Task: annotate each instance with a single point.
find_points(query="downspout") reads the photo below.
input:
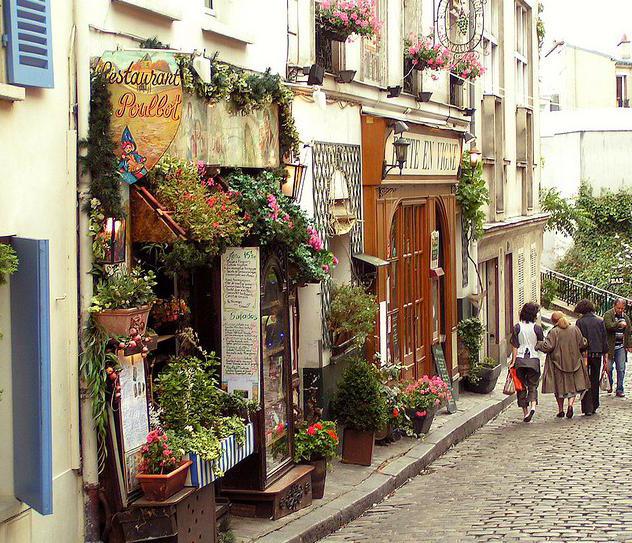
(89, 469)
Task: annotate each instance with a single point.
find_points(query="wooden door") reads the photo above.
(491, 277)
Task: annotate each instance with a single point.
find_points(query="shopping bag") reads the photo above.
(604, 380)
(517, 382)
(509, 387)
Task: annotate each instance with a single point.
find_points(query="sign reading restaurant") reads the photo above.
(428, 154)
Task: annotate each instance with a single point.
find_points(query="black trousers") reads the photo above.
(590, 401)
(530, 378)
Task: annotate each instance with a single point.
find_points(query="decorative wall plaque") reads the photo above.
(460, 24)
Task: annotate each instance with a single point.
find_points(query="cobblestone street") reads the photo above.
(552, 480)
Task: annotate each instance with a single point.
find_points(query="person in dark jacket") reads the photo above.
(593, 329)
(619, 328)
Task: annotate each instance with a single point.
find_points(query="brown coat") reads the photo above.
(564, 369)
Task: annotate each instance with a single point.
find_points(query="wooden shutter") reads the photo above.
(374, 49)
(29, 43)
(521, 287)
(30, 359)
(534, 274)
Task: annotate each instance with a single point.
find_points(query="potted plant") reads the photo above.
(483, 376)
(470, 337)
(361, 408)
(162, 472)
(390, 375)
(166, 314)
(467, 67)
(123, 300)
(423, 53)
(339, 19)
(422, 398)
(315, 445)
(351, 316)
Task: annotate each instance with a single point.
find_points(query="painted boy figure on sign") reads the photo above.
(132, 164)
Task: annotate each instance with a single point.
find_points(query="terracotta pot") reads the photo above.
(318, 477)
(334, 34)
(117, 322)
(357, 447)
(383, 433)
(487, 381)
(421, 425)
(160, 487)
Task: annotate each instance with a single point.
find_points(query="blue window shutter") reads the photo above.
(31, 366)
(30, 47)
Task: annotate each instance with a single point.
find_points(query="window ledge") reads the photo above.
(12, 93)
(10, 507)
(169, 9)
(212, 25)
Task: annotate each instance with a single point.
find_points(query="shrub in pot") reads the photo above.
(315, 445)
(470, 335)
(352, 316)
(422, 398)
(483, 376)
(162, 472)
(123, 300)
(360, 407)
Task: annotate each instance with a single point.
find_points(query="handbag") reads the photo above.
(518, 384)
(510, 386)
(604, 380)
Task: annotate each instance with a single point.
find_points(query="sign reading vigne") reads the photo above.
(146, 99)
(428, 155)
(241, 320)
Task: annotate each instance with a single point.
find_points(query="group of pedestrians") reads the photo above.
(574, 356)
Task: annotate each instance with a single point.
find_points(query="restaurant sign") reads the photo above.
(427, 154)
(146, 99)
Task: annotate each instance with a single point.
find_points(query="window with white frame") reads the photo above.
(373, 68)
(209, 5)
(491, 49)
(521, 52)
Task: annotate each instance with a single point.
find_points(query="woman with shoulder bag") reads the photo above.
(525, 360)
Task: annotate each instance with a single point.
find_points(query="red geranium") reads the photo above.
(316, 441)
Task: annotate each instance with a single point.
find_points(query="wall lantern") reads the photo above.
(401, 156)
(293, 185)
(113, 233)
(475, 155)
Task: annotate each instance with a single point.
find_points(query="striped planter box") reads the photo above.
(201, 472)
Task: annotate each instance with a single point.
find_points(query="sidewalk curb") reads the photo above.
(335, 514)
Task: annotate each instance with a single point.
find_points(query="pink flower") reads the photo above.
(325, 4)
(325, 268)
(311, 430)
(420, 414)
(336, 261)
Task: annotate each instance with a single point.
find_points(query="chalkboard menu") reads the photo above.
(442, 370)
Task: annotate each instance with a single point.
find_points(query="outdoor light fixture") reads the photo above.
(345, 76)
(393, 92)
(475, 155)
(315, 75)
(293, 185)
(467, 137)
(401, 156)
(469, 111)
(113, 234)
(423, 96)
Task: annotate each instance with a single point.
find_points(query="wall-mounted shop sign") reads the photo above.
(146, 99)
(428, 155)
(434, 249)
(241, 320)
(214, 134)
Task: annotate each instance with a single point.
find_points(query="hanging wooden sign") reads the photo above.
(146, 100)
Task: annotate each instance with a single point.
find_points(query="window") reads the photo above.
(209, 5)
(29, 49)
(411, 25)
(491, 50)
(374, 51)
(522, 54)
(622, 91)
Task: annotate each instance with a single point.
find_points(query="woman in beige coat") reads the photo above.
(565, 372)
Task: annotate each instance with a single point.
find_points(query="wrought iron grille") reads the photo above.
(327, 158)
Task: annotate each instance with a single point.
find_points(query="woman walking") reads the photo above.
(565, 372)
(525, 335)
(593, 329)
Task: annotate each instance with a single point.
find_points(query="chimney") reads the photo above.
(623, 48)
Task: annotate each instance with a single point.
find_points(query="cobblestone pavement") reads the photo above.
(551, 480)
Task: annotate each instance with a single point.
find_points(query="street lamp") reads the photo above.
(292, 187)
(475, 155)
(401, 156)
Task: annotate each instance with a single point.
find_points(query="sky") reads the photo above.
(595, 24)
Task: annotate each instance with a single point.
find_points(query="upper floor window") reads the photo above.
(209, 4)
(491, 49)
(411, 27)
(374, 49)
(622, 91)
(522, 54)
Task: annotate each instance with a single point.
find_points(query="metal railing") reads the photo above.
(571, 291)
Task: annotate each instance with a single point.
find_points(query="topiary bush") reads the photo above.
(352, 314)
(360, 403)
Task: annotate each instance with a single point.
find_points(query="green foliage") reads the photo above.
(360, 403)
(124, 289)
(540, 30)
(472, 195)
(226, 537)
(153, 43)
(565, 217)
(246, 92)
(476, 370)
(100, 161)
(8, 262)
(95, 358)
(352, 312)
(316, 441)
(549, 290)
(470, 332)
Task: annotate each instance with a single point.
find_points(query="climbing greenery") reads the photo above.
(601, 254)
(100, 160)
(565, 217)
(8, 262)
(470, 333)
(472, 195)
(245, 92)
(539, 26)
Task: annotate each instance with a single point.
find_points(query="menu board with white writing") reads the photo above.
(241, 321)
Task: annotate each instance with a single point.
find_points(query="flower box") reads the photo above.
(119, 322)
(159, 487)
(201, 472)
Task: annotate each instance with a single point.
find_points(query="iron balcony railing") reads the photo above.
(571, 291)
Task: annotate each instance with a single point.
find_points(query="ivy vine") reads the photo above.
(8, 262)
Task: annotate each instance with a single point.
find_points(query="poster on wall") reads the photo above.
(146, 99)
(434, 249)
(241, 320)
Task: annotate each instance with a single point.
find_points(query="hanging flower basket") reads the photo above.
(334, 34)
(467, 67)
(424, 54)
(339, 19)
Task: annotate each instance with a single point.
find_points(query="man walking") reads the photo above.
(594, 331)
(619, 328)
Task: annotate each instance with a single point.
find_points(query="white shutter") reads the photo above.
(534, 274)
(521, 286)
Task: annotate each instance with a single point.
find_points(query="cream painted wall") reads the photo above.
(37, 150)
(594, 82)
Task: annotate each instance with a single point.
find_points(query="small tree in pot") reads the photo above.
(470, 334)
(316, 444)
(360, 406)
(351, 316)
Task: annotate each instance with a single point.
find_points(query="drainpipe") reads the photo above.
(89, 469)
